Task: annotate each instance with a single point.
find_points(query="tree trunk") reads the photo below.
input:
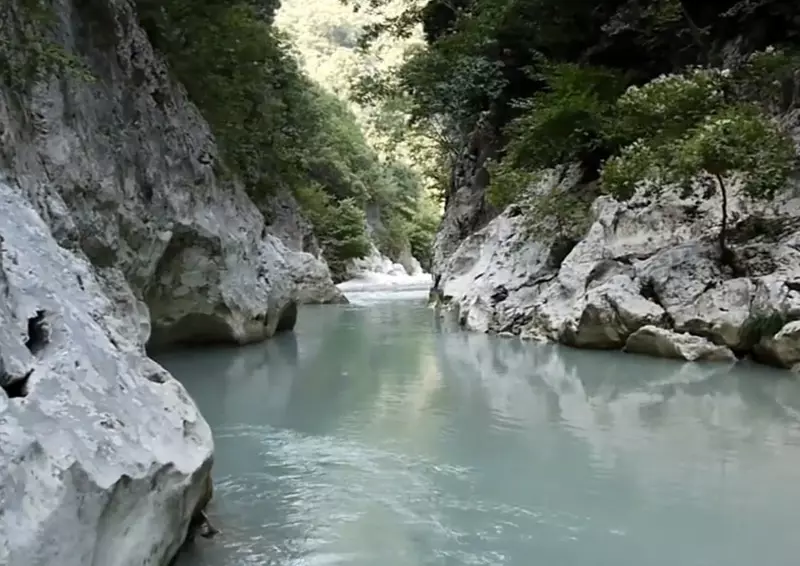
(724, 252)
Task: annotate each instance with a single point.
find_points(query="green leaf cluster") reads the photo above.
(566, 121)
(687, 128)
(689, 131)
(277, 129)
(28, 52)
(340, 227)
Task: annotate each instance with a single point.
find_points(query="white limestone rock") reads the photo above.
(643, 263)
(663, 343)
(782, 349)
(104, 458)
(312, 280)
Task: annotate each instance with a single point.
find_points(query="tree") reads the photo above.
(690, 131)
(565, 122)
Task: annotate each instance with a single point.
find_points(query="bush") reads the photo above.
(569, 120)
(339, 226)
(689, 132)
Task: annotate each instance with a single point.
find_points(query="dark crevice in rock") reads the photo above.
(157, 377)
(500, 294)
(38, 333)
(648, 291)
(559, 251)
(15, 388)
(537, 279)
(729, 259)
(288, 318)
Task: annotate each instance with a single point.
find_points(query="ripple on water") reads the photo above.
(324, 491)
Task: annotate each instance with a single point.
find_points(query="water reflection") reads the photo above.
(373, 437)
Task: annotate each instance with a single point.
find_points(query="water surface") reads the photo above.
(372, 436)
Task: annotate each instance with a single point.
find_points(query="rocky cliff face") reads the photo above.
(646, 277)
(103, 457)
(466, 207)
(117, 233)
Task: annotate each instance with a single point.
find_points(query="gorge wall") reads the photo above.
(117, 233)
(541, 96)
(646, 277)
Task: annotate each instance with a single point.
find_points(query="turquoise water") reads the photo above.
(372, 436)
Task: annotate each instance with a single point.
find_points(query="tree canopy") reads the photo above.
(626, 89)
(279, 131)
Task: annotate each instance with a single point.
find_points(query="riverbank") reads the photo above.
(646, 277)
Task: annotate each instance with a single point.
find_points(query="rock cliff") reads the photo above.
(646, 277)
(104, 458)
(466, 207)
(118, 232)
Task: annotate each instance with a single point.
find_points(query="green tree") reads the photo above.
(567, 121)
(340, 227)
(690, 132)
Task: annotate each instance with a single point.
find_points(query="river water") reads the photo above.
(373, 437)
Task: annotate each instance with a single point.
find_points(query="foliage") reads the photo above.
(689, 131)
(28, 53)
(548, 74)
(240, 73)
(566, 121)
(771, 77)
(339, 226)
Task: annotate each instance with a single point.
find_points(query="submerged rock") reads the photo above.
(103, 456)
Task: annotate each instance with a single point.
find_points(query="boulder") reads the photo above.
(312, 281)
(610, 314)
(104, 458)
(663, 343)
(782, 349)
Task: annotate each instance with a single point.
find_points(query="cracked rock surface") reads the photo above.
(646, 276)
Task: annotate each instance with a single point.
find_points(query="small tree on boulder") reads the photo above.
(689, 131)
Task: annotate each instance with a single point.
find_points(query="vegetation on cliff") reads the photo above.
(326, 40)
(27, 53)
(628, 90)
(278, 130)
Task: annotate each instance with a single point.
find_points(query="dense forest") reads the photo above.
(282, 132)
(627, 91)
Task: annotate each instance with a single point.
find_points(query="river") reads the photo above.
(371, 436)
